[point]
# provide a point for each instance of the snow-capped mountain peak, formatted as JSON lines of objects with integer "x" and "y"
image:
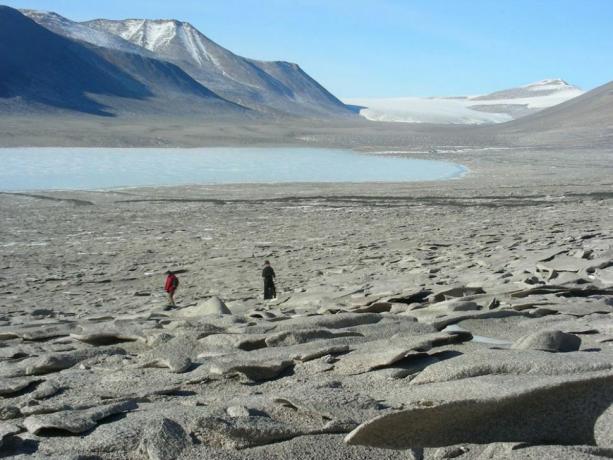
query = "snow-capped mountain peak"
{"x": 277, "y": 87}
{"x": 163, "y": 36}
{"x": 78, "y": 31}
{"x": 555, "y": 84}
{"x": 261, "y": 85}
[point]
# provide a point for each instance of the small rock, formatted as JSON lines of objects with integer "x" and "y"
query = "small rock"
{"x": 238, "y": 411}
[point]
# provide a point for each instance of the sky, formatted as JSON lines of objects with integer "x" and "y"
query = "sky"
{"x": 389, "y": 48}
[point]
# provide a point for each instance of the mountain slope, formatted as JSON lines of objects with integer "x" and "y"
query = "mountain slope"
{"x": 39, "y": 69}
{"x": 497, "y": 107}
{"x": 587, "y": 119}
{"x": 266, "y": 86}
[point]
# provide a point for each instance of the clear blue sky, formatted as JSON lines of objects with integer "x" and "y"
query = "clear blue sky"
{"x": 381, "y": 48}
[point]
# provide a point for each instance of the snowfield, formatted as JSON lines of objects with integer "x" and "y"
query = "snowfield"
{"x": 497, "y": 107}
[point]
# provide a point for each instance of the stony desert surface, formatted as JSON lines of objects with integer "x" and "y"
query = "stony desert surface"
{"x": 466, "y": 319}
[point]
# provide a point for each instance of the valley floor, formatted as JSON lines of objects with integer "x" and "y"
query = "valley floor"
{"x": 369, "y": 278}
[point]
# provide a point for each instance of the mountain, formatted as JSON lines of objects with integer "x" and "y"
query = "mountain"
{"x": 586, "y": 119}
{"x": 40, "y": 70}
{"x": 70, "y": 29}
{"x": 271, "y": 87}
{"x": 497, "y": 107}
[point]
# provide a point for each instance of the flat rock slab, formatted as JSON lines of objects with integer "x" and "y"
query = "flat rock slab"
{"x": 75, "y": 421}
{"x": 580, "y": 308}
{"x": 383, "y": 353}
{"x": 331, "y": 400}
{"x": 234, "y": 341}
{"x": 513, "y": 362}
{"x": 286, "y": 338}
{"x": 54, "y": 362}
{"x": 338, "y": 321}
{"x": 494, "y": 409}
{"x": 324, "y": 446}
{"x": 252, "y": 369}
{"x": 9, "y": 387}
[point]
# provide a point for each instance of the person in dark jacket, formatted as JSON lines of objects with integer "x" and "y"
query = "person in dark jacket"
{"x": 268, "y": 274}
{"x": 170, "y": 286}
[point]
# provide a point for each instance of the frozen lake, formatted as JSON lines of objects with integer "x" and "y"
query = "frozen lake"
{"x": 102, "y": 168}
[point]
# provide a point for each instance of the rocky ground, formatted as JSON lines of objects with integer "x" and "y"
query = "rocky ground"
{"x": 468, "y": 319}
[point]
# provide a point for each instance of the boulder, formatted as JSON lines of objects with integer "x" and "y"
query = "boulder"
{"x": 212, "y": 306}
{"x": 553, "y": 341}
{"x": 164, "y": 439}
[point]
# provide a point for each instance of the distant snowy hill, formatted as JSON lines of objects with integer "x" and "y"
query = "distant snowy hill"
{"x": 266, "y": 86}
{"x": 497, "y": 107}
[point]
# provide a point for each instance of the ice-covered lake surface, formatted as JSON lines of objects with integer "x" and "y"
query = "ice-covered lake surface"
{"x": 26, "y": 169}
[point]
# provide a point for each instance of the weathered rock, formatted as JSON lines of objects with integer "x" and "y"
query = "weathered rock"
{"x": 241, "y": 432}
{"x": 109, "y": 334}
{"x": 53, "y": 362}
{"x": 383, "y": 353}
{"x": 338, "y": 321}
{"x": 553, "y": 341}
{"x": 456, "y": 292}
{"x": 238, "y": 411}
{"x": 234, "y": 341}
{"x": 46, "y": 390}
{"x": 306, "y": 335}
{"x": 212, "y": 306}
{"x": 175, "y": 354}
{"x": 526, "y": 409}
{"x": 75, "y": 421}
{"x": 11, "y": 386}
{"x": 513, "y": 362}
{"x": 9, "y": 412}
{"x": 253, "y": 370}
{"x": 164, "y": 439}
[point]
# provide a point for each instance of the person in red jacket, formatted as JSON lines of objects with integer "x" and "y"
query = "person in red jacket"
{"x": 170, "y": 286}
